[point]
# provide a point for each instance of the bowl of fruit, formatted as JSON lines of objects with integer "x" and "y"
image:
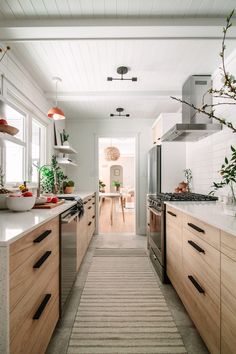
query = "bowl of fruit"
{"x": 3, "y": 197}
{"x": 20, "y": 202}
{"x": 5, "y": 128}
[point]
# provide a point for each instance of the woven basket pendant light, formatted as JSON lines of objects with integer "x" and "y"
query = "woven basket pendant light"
{"x": 111, "y": 153}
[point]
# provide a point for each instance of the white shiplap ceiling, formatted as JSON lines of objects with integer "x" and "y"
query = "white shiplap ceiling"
{"x": 26, "y": 9}
{"x": 161, "y": 64}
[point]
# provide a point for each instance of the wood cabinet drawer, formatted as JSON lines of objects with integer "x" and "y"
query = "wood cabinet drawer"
{"x": 228, "y": 305}
{"x": 173, "y": 216}
{"x": 82, "y": 242}
{"x": 202, "y": 261}
{"x": 174, "y": 255}
{"x": 91, "y": 229}
{"x": 33, "y": 242}
{"x": 204, "y": 313}
{"x": 36, "y": 268}
{"x": 228, "y": 245}
{"x": 206, "y": 232}
{"x": 28, "y": 299}
{"x": 34, "y": 334}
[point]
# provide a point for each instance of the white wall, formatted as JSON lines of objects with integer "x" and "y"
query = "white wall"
{"x": 83, "y": 138}
{"x": 206, "y": 156}
{"x": 26, "y": 93}
{"x": 128, "y": 164}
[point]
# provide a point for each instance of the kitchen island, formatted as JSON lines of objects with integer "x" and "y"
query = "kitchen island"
{"x": 29, "y": 276}
{"x": 201, "y": 264}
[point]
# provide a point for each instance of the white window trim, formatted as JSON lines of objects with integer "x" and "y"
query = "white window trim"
{"x": 27, "y": 161}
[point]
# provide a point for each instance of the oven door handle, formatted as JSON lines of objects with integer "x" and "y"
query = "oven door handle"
{"x": 154, "y": 211}
{"x": 69, "y": 218}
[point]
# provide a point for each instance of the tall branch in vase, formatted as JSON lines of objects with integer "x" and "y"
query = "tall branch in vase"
{"x": 226, "y": 94}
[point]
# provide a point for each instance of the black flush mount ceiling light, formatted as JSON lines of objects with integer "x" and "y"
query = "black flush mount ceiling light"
{"x": 122, "y": 70}
{"x": 119, "y": 110}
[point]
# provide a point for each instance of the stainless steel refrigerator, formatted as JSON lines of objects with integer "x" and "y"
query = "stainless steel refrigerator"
{"x": 154, "y": 170}
{"x": 166, "y": 163}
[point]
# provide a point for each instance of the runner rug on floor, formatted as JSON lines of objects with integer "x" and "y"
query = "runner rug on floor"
{"x": 122, "y": 309}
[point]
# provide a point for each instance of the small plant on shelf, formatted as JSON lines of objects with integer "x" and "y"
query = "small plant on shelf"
{"x": 117, "y": 185}
{"x": 68, "y": 186}
{"x": 64, "y": 137}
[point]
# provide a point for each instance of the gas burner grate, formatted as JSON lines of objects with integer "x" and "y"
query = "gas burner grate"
{"x": 187, "y": 196}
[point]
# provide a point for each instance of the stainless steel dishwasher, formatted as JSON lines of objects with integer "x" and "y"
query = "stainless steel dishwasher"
{"x": 68, "y": 221}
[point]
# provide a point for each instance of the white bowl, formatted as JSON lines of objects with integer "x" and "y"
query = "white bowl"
{"x": 20, "y": 203}
{"x": 3, "y": 201}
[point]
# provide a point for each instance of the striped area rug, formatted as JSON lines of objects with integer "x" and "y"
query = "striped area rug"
{"x": 122, "y": 309}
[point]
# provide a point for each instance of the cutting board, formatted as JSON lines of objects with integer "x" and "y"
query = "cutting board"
{"x": 48, "y": 205}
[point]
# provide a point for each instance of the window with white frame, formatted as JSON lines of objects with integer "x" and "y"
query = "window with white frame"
{"x": 26, "y": 150}
{"x": 37, "y": 147}
{"x": 15, "y": 150}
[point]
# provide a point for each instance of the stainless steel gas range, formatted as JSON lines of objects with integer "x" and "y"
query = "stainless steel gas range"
{"x": 156, "y": 225}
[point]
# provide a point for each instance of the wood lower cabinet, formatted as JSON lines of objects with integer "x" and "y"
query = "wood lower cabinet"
{"x": 228, "y": 294}
{"x": 86, "y": 227}
{"x": 201, "y": 264}
{"x": 34, "y": 289}
{"x": 174, "y": 247}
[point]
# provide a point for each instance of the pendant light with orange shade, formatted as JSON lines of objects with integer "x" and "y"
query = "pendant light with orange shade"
{"x": 55, "y": 112}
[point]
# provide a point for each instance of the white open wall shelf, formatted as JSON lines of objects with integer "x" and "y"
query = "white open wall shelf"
{"x": 65, "y": 150}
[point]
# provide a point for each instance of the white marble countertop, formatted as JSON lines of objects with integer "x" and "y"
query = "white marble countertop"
{"x": 81, "y": 194}
{"x": 14, "y": 225}
{"x": 209, "y": 212}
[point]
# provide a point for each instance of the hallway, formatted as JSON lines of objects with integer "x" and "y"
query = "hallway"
{"x": 110, "y": 255}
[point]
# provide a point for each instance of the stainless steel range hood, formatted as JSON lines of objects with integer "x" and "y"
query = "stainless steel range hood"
{"x": 194, "y": 126}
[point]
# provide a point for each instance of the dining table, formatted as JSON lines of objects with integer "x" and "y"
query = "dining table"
{"x": 113, "y": 196}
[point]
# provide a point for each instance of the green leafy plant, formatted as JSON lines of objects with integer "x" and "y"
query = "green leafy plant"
{"x": 101, "y": 186}
{"x": 64, "y": 136}
{"x": 189, "y": 176}
{"x": 68, "y": 184}
{"x": 116, "y": 183}
{"x": 1, "y": 178}
{"x": 228, "y": 173}
{"x": 52, "y": 177}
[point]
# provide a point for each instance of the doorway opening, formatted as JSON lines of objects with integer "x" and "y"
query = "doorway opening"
{"x": 117, "y": 185}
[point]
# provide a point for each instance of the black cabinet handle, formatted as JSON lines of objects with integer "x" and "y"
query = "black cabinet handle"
{"x": 42, "y": 306}
{"x": 85, "y": 203}
{"x": 148, "y": 223}
{"x": 89, "y": 207}
{"x": 195, "y": 227}
{"x": 93, "y": 203}
{"x": 172, "y": 214}
{"x": 42, "y": 236}
{"x": 93, "y": 216}
{"x": 42, "y": 259}
{"x": 194, "y": 245}
{"x": 195, "y": 283}
{"x": 89, "y": 199}
{"x": 90, "y": 222}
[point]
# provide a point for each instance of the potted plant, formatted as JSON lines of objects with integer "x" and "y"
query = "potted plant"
{"x": 69, "y": 187}
{"x": 228, "y": 178}
{"x": 64, "y": 137}
{"x": 101, "y": 186}
{"x": 188, "y": 175}
{"x": 117, "y": 185}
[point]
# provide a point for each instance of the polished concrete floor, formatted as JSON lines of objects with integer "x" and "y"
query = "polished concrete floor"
{"x": 60, "y": 339}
